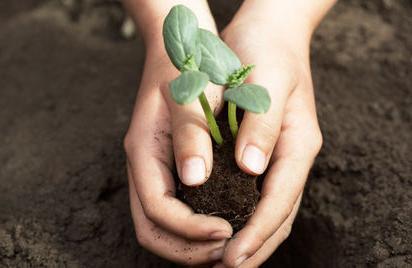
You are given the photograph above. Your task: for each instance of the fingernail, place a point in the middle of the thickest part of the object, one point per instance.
(219, 265)
(218, 235)
(240, 260)
(216, 254)
(193, 171)
(254, 159)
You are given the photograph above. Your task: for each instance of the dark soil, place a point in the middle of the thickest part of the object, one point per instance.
(228, 193)
(67, 88)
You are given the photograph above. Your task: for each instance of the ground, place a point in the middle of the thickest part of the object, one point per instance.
(68, 82)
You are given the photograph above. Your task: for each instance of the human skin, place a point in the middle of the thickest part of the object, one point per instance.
(273, 35)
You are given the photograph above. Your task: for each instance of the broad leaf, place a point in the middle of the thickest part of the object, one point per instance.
(218, 60)
(188, 86)
(250, 97)
(180, 36)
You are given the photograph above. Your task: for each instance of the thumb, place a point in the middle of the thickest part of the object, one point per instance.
(192, 142)
(258, 133)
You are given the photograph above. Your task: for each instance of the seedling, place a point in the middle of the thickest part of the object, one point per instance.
(202, 56)
(180, 34)
(224, 68)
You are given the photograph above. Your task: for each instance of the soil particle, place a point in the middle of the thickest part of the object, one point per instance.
(6, 244)
(380, 251)
(398, 262)
(84, 224)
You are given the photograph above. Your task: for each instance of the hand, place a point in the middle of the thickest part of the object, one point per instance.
(285, 140)
(163, 224)
(162, 133)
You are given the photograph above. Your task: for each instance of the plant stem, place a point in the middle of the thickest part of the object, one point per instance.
(211, 121)
(235, 80)
(231, 113)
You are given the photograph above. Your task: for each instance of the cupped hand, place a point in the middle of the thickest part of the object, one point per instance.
(284, 141)
(160, 133)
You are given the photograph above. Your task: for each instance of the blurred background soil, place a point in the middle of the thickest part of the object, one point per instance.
(67, 85)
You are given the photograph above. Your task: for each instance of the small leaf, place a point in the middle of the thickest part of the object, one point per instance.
(188, 86)
(218, 60)
(239, 77)
(180, 36)
(250, 97)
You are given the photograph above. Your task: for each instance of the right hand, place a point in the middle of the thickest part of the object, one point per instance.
(159, 127)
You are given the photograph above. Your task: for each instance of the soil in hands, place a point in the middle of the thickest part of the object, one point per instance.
(229, 192)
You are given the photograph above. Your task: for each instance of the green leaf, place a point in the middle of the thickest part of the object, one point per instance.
(218, 60)
(250, 97)
(239, 77)
(180, 36)
(188, 86)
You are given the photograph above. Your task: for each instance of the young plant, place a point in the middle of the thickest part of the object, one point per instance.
(200, 55)
(180, 34)
(224, 68)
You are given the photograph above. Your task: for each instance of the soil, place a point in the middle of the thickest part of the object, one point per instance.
(228, 193)
(68, 83)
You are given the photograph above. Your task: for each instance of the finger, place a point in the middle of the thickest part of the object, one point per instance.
(285, 181)
(146, 145)
(192, 143)
(258, 133)
(293, 158)
(274, 241)
(154, 184)
(168, 245)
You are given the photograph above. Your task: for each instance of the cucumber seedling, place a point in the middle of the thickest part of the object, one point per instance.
(180, 34)
(201, 56)
(224, 68)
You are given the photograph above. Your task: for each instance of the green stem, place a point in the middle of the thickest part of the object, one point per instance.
(211, 121)
(231, 113)
(235, 80)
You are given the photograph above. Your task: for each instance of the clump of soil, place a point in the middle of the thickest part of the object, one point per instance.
(229, 192)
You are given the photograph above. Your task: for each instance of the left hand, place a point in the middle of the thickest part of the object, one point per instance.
(285, 140)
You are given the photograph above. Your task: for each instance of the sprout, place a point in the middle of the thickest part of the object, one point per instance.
(180, 32)
(224, 68)
(201, 56)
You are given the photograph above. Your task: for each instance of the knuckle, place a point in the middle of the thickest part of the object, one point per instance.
(309, 146)
(316, 142)
(189, 130)
(150, 211)
(268, 129)
(259, 236)
(142, 238)
(266, 132)
(286, 205)
(286, 231)
(284, 74)
(287, 211)
(192, 230)
(187, 232)
(127, 143)
(183, 131)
